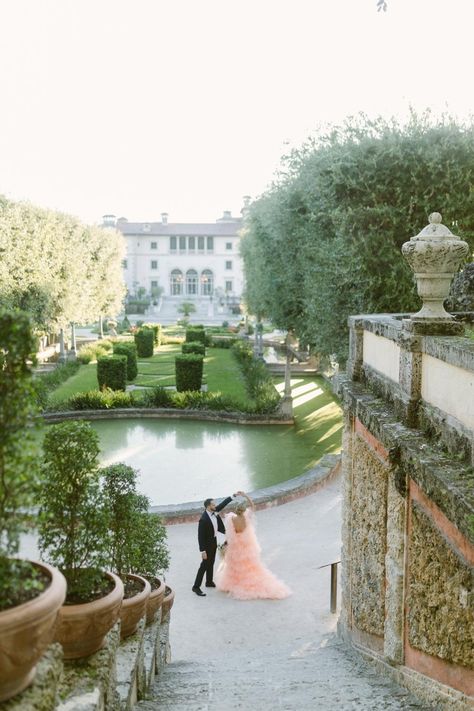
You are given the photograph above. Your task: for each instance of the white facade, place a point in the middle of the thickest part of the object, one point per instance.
(183, 260)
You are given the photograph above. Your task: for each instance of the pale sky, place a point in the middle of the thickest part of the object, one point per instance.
(137, 107)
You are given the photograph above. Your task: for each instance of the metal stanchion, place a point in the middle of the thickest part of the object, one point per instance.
(333, 593)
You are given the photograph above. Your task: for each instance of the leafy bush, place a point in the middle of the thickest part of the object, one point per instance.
(44, 384)
(137, 306)
(93, 351)
(194, 347)
(188, 371)
(112, 372)
(73, 520)
(257, 378)
(223, 342)
(158, 397)
(18, 449)
(130, 350)
(196, 334)
(138, 538)
(105, 399)
(144, 339)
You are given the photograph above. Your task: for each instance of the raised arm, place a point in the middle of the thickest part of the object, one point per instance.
(246, 496)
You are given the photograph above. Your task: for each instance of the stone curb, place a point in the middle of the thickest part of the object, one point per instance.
(282, 493)
(166, 413)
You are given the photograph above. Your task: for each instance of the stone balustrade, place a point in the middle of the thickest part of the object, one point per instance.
(408, 515)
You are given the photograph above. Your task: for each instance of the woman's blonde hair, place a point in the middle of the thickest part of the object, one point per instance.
(241, 507)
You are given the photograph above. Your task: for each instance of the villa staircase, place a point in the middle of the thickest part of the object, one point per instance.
(324, 677)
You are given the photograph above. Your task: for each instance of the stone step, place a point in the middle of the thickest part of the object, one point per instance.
(321, 678)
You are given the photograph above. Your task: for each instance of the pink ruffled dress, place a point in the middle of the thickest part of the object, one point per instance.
(241, 572)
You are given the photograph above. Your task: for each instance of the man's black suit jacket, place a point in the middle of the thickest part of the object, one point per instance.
(206, 537)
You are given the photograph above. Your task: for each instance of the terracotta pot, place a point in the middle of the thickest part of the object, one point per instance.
(134, 608)
(26, 631)
(82, 628)
(167, 602)
(154, 601)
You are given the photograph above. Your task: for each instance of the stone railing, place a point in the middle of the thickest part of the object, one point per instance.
(408, 515)
(113, 679)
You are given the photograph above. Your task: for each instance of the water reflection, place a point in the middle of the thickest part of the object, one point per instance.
(184, 460)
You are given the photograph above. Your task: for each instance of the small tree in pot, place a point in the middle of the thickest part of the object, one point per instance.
(73, 528)
(138, 540)
(30, 593)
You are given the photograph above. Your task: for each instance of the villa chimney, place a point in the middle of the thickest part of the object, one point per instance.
(227, 215)
(109, 220)
(164, 218)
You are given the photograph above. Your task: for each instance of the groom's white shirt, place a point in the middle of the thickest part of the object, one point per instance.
(213, 518)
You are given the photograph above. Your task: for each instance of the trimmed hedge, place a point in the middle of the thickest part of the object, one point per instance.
(129, 350)
(196, 334)
(112, 372)
(188, 371)
(156, 328)
(194, 347)
(94, 350)
(44, 384)
(145, 341)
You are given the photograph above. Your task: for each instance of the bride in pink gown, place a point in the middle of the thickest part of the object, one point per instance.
(241, 572)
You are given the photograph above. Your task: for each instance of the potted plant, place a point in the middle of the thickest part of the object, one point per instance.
(30, 593)
(138, 546)
(73, 529)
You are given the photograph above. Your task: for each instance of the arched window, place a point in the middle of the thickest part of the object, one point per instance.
(176, 282)
(207, 282)
(191, 282)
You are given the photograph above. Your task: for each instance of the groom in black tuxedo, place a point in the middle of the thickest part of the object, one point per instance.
(209, 523)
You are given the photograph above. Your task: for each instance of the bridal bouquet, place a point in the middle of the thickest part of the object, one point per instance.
(221, 548)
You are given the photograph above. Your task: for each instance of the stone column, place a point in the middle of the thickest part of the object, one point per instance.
(356, 348)
(101, 327)
(62, 351)
(395, 566)
(345, 620)
(286, 406)
(72, 354)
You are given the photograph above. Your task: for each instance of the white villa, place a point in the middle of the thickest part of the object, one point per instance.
(190, 260)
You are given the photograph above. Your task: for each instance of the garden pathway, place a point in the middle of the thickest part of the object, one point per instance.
(228, 654)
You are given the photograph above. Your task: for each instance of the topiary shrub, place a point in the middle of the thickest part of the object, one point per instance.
(156, 328)
(112, 372)
(144, 340)
(194, 347)
(188, 371)
(129, 350)
(196, 334)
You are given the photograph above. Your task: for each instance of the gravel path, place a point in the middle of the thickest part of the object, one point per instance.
(231, 654)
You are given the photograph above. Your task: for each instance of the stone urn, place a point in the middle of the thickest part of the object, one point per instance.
(134, 608)
(435, 256)
(155, 600)
(82, 627)
(26, 631)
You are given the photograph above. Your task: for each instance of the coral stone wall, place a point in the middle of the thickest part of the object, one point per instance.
(440, 599)
(369, 494)
(408, 512)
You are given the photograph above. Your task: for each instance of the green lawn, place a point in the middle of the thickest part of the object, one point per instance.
(316, 411)
(221, 373)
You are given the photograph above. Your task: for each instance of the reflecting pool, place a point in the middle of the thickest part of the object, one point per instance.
(183, 460)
